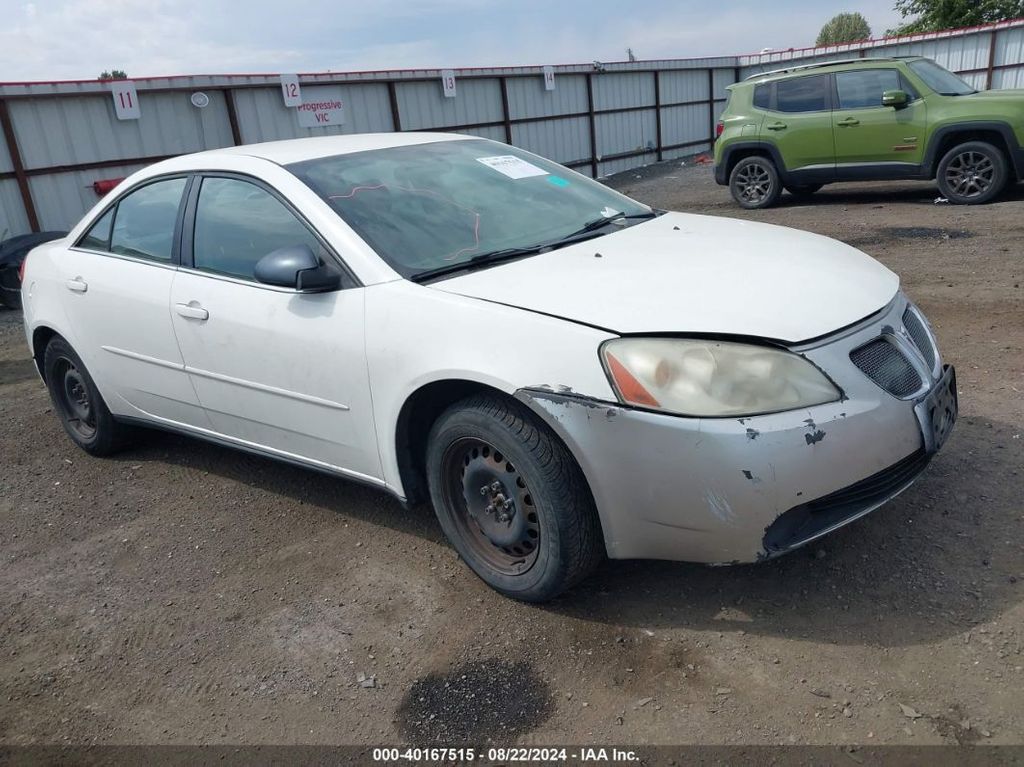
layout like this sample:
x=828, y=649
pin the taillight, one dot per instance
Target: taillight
x=21, y=269
x=719, y=128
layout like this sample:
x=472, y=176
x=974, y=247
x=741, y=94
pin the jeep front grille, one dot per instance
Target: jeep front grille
x=887, y=366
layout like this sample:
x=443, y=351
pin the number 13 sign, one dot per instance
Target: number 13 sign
x=448, y=83
x=126, y=100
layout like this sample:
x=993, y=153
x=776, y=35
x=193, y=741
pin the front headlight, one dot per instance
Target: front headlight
x=712, y=378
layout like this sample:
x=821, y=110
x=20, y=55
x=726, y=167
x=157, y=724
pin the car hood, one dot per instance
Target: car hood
x=1003, y=94
x=684, y=273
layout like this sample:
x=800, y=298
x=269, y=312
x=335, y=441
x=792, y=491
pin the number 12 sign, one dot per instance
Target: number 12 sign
x=291, y=90
x=126, y=100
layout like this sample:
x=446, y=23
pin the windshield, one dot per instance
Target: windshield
x=940, y=79
x=428, y=207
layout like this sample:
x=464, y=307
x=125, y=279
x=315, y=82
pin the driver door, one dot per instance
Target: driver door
x=875, y=141
x=274, y=368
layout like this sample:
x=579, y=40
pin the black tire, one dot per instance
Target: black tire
x=972, y=173
x=552, y=538
x=802, y=190
x=754, y=183
x=77, y=402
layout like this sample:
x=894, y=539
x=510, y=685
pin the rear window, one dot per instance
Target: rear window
x=802, y=94
x=762, y=96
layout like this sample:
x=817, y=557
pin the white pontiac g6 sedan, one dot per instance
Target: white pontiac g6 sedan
x=565, y=373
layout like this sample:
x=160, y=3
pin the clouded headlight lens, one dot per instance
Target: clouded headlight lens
x=712, y=378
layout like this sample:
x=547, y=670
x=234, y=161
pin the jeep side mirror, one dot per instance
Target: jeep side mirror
x=896, y=99
x=296, y=266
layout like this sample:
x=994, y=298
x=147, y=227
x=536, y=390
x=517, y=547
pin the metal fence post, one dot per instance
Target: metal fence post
x=593, y=124
x=229, y=104
x=657, y=114
x=396, y=117
x=991, y=58
x=506, y=117
x=19, y=168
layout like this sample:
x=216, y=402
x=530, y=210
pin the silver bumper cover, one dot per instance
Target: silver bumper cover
x=727, y=490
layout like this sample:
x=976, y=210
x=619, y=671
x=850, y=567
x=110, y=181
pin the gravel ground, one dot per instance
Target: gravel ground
x=185, y=593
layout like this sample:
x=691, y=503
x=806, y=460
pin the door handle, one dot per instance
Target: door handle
x=777, y=126
x=192, y=310
x=77, y=285
x=849, y=121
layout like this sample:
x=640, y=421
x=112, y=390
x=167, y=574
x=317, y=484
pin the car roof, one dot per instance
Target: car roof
x=824, y=67
x=302, y=149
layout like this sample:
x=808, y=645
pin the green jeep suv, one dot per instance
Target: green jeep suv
x=868, y=119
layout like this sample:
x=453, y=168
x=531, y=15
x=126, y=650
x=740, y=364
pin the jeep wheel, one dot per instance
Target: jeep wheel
x=511, y=499
x=754, y=183
x=972, y=173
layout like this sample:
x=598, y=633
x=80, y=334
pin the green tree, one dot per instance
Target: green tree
x=936, y=15
x=844, y=28
x=115, y=74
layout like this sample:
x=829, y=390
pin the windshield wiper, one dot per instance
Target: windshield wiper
x=510, y=254
x=601, y=223
x=478, y=261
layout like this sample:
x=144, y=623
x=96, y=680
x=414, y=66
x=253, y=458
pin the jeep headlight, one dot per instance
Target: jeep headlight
x=712, y=378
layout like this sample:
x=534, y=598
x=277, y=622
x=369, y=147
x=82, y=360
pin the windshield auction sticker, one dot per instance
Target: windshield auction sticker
x=512, y=166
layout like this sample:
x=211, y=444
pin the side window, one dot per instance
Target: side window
x=144, y=221
x=98, y=236
x=762, y=96
x=802, y=94
x=864, y=88
x=238, y=223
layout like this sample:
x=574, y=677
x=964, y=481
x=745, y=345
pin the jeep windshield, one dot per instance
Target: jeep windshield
x=448, y=206
x=940, y=79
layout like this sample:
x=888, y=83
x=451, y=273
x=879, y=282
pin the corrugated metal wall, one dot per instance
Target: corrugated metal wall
x=600, y=119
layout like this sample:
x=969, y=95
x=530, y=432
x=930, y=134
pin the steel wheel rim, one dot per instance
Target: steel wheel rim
x=753, y=183
x=491, y=505
x=73, y=398
x=970, y=174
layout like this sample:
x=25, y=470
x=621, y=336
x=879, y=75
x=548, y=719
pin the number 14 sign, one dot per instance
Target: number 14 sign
x=126, y=100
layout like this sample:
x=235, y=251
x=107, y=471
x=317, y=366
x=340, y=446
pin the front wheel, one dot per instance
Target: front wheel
x=511, y=499
x=754, y=183
x=972, y=173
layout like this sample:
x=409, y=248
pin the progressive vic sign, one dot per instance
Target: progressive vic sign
x=320, y=114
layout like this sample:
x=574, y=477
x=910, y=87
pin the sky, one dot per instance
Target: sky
x=72, y=39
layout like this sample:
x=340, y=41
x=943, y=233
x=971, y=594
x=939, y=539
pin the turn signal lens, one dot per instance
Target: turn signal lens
x=630, y=389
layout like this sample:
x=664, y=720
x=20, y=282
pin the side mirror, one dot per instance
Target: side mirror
x=296, y=266
x=896, y=99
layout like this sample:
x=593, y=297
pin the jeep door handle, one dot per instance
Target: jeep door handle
x=192, y=310
x=777, y=126
x=848, y=122
x=77, y=285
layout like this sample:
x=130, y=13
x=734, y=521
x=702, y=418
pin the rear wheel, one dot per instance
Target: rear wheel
x=754, y=183
x=77, y=401
x=972, y=173
x=803, y=190
x=511, y=499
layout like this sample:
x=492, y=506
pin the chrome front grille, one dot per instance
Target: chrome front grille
x=914, y=323
x=888, y=366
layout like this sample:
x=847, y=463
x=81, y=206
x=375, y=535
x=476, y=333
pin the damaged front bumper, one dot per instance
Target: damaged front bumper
x=727, y=490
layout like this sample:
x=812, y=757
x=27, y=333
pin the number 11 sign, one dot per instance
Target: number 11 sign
x=126, y=100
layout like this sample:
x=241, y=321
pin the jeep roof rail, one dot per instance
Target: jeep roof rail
x=818, y=64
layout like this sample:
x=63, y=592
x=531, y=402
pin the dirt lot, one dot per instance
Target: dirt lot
x=185, y=593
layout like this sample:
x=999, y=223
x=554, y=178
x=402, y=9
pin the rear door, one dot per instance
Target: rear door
x=118, y=278
x=875, y=141
x=274, y=368
x=799, y=124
